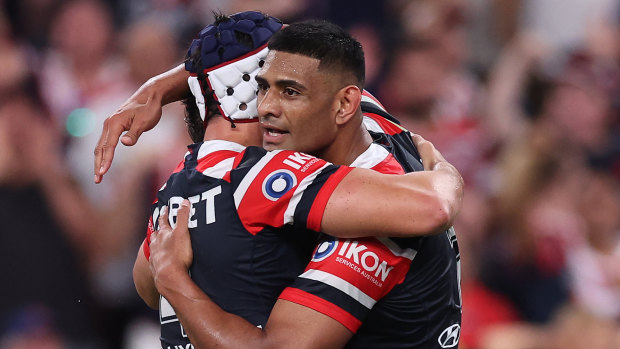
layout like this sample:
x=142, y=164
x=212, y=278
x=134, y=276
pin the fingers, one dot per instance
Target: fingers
x=183, y=215
x=113, y=127
x=104, y=150
x=162, y=221
x=429, y=154
x=171, y=247
x=145, y=117
x=131, y=137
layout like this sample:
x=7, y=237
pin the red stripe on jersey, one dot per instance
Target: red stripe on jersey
x=322, y=306
x=367, y=264
x=367, y=94
x=389, y=165
x=147, y=241
x=239, y=158
x=179, y=167
x=214, y=158
x=258, y=208
x=386, y=125
x=235, y=164
x=315, y=216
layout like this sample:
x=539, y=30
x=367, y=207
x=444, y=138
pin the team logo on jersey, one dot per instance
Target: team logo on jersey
x=450, y=336
x=278, y=183
x=325, y=249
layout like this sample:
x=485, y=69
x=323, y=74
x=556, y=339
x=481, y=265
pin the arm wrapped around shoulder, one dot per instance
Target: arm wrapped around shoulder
x=368, y=203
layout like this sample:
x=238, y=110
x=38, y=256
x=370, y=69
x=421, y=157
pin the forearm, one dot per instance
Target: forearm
x=448, y=189
x=167, y=87
x=206, y=324
x=367, y=203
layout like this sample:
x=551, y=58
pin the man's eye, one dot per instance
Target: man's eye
x=262, y=87
x=290, y=92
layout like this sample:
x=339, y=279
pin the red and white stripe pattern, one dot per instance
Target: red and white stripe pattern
x=368, y=97
x=216, y=158
x=364, y=270
x=257, y=208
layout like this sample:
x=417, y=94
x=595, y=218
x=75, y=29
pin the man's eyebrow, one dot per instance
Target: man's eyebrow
x=282, y=83
x=290, y=83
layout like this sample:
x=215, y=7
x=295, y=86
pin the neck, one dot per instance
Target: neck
x=352, y=140
x=247, y=134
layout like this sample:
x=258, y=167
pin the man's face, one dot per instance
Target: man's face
x=297, y=104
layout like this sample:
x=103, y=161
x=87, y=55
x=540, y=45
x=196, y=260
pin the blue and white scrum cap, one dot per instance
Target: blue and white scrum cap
x=231, y=54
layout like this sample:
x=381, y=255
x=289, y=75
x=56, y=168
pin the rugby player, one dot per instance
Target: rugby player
x=326, y=312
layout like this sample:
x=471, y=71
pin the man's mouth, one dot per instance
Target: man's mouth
x=273, y=132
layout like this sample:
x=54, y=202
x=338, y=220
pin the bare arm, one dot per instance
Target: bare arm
x=143, y=280
x=367, y=203
x=140, y=113
x=208, y=325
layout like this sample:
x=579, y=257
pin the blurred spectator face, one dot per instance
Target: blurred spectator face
x=441, y=22
x=373, y=51
x=581, y=114
x=13, y=59
x=282, y=9
x=454, y=37
x=601, y=209
x=83, y=30
x=414, y=81
x=28, y=140
x=152, y=40
x=580, y=103
x=15, y=115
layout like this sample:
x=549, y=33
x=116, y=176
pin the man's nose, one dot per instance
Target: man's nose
x=268, y=104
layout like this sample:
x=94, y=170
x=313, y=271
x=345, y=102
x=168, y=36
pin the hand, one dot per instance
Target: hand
x=429, y=154
x=140, y=113
x=171, y=249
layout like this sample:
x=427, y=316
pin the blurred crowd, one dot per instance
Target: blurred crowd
x=523, y=96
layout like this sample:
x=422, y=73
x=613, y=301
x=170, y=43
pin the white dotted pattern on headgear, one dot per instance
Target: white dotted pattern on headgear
x=241, y=104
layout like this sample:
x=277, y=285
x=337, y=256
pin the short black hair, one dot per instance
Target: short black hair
x=336, y=49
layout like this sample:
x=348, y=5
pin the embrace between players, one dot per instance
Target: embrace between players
x=332, y=234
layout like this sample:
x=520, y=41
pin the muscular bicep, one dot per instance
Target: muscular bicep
x=367, y=203
x=291, y=325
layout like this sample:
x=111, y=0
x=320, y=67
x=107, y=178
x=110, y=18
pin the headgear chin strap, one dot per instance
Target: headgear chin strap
x=194, y=86
x=228, y=66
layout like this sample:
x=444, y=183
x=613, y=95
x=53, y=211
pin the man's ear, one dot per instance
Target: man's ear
x=349, y=98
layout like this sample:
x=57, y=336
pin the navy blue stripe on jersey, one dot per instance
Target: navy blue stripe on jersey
x=333, y=295
x=399, y=144
x=368, y=107
x=250, y=157
x=307, y=199
x=402, y=148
